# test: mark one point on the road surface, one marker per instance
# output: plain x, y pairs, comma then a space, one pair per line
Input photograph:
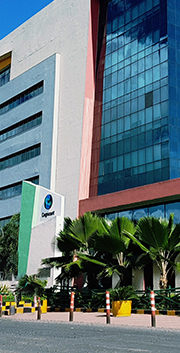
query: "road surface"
56, 337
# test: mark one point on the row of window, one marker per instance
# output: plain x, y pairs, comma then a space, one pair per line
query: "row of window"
139, 129
126, 61
21, 127
134, 158
145, 78
110, 148
116, 54
133, 41
121, 12
141, 92
4, 76
15, 189
21, 98
19, 157
128, 116
159, 211
125, 180
137, 67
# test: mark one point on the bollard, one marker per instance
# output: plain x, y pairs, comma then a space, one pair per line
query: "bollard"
35, 301
1, 299
39, 309
107, 307
71, 307
153, 310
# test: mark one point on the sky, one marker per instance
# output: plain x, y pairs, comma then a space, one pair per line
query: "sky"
16, 12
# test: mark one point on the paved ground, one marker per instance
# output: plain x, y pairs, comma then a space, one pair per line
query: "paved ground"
135, 320
20, 336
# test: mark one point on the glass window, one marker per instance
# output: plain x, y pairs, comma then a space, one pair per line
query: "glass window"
175, 209
148, 115
120, 126
127, 214
157, 111
19, 157
164, 109
164, 69
141, 80
13, 102
4, 76
141, 212
141, 156
120, 162
164, 54
157, 211
15, 189
156, 95
157, 152
149, 154
164, 93
21, 127
141, 65
148, 99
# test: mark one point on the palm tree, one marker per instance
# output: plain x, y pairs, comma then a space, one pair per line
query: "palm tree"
115, 243
67, 245
75, 243
100, 246
160, 239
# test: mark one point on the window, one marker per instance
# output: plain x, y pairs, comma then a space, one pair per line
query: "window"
149, 99
17, 158
21, 127
21, 98
4, 76
13, 190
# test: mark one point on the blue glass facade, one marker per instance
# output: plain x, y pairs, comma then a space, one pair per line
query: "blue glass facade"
173, 23
138, 143
158, 211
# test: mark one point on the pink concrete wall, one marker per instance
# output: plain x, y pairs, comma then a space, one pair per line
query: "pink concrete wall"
87, 135
162, 191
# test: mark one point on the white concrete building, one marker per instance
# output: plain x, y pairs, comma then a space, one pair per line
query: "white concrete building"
41, 133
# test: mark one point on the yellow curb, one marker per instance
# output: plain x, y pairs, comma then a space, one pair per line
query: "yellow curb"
101, 310
171, 312
27, 305
19, 310
57, 310
140, 311
78, 309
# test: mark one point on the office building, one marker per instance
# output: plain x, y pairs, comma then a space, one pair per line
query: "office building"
100, 87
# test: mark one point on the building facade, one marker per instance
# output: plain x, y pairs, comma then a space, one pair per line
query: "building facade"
42, 75
99, 123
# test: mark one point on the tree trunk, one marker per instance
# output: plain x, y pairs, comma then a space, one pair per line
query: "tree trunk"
163, 278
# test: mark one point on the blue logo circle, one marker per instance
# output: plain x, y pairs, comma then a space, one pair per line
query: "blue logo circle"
48, 201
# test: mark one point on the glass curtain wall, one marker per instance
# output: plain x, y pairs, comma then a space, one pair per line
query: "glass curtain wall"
158, 211
173, 21
134, 147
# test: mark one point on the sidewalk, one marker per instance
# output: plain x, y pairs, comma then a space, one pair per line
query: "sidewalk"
135, 320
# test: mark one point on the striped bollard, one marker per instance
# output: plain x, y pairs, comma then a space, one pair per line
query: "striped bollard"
35, 301
39, 309
153, 310
1, 299
107, 307
71, 307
